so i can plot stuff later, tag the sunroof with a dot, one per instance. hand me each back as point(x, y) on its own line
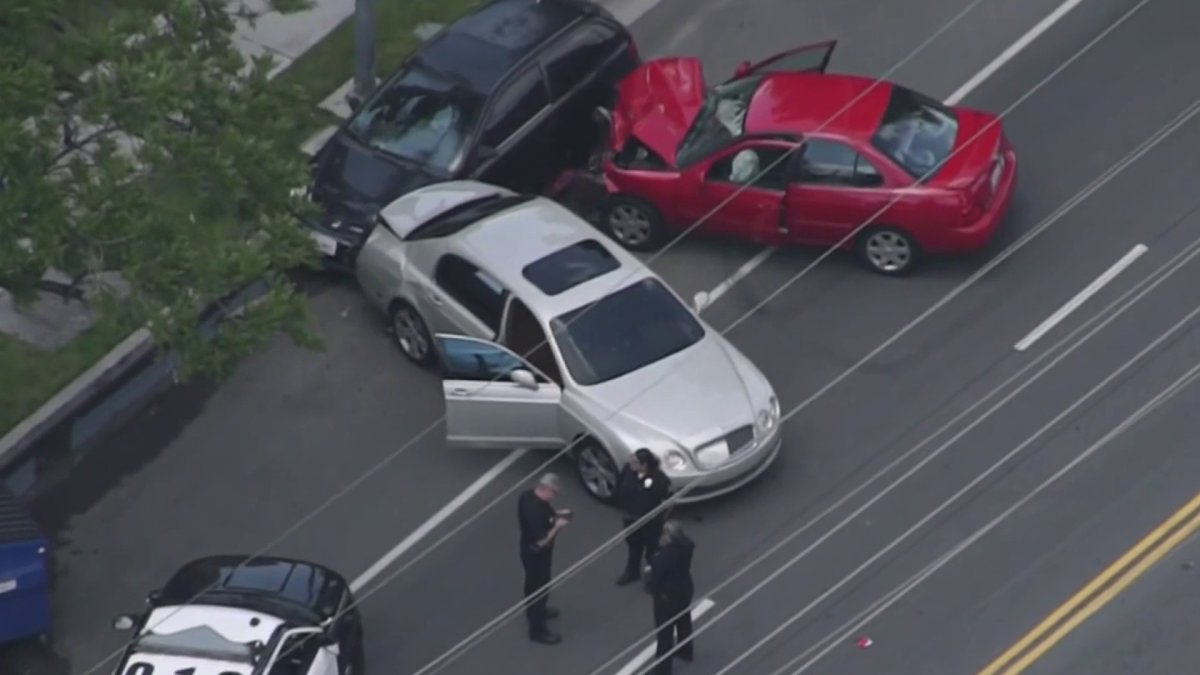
point(568, 267)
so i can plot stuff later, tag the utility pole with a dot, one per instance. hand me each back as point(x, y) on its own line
point(364, 51)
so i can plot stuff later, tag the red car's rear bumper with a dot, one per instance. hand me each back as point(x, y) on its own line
point(976, 234)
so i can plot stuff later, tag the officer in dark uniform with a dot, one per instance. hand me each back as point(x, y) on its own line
point(540, 524)
point(671, 584)
point(641, 488)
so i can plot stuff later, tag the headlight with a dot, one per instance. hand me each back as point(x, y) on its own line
point(767, 419)
point(675, 460)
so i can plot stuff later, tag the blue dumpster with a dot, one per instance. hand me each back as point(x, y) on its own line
point(24, 586)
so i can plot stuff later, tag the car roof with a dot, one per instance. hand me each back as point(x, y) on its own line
point(483, 46)
point(505, 243)
point(298, 581)
point(801, 102)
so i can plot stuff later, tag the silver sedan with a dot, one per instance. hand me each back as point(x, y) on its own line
point(550, 335)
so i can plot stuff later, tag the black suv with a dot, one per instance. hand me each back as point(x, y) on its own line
point(505, 95)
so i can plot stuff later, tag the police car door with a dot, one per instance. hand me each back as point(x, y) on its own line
point(325, 662)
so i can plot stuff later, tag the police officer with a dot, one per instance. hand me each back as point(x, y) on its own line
point(641, 488)
point(540, 524)
point(671, 584)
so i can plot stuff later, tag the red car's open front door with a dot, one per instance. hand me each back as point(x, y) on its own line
point(809, 58)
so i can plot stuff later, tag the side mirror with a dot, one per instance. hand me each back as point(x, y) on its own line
point(524, 378)
point(742, 69)
point(152, 597)
point(700, 301)
point(124, 622)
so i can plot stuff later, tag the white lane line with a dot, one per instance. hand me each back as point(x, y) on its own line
point(741, 273)
point(1081, 297)
point(646, 654)
point(954, 99)
point(1015, 48)
point(437, 519)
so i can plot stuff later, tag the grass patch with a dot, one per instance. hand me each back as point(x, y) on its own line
point(34, 375)
point(321, 70)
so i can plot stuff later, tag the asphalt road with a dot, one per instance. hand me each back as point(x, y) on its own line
point(1150, 629)
point(231, 470)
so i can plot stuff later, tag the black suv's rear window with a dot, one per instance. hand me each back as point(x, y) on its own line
point(568, 267)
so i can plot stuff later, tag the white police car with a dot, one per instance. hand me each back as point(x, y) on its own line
point(233, 615)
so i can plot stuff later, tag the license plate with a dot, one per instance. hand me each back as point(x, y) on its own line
point(326, 244)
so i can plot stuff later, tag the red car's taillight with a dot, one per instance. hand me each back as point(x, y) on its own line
point(633, 52)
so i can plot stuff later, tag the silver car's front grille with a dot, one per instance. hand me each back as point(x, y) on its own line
point(740, 439)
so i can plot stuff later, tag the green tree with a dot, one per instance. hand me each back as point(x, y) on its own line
point(137, 141)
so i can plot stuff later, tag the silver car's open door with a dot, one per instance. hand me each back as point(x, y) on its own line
point(494, 399)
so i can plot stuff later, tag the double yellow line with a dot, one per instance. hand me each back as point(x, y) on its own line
point(1099, 591)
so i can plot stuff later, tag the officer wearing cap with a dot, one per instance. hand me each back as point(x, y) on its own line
point(540, 524)
point(641, 488)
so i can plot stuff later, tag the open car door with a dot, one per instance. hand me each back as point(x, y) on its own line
point(324, 662)
point(809, 58)
point(495, 399)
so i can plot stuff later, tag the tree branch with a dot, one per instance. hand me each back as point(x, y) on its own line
point(71, 146)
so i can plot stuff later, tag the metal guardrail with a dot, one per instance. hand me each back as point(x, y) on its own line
point(122, 382)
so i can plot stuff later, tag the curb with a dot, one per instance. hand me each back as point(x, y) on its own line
point(103, 396)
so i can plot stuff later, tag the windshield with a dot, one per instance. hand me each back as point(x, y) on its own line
point(199, 641)
point(721, 120)
point(623, 332)
point(917, 132)
point(420, 117)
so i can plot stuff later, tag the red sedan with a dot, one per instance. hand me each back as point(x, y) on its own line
point(784, 153)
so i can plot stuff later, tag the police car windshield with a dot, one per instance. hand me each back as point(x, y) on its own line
point(200, 641)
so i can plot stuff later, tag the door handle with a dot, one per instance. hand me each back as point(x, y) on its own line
point(459, 392)
point(435, 299)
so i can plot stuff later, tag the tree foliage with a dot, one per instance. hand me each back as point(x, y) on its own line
point(138, 141)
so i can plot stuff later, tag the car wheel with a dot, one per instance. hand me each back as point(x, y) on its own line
point(889, 251)
point(411, 333)
point(634, 223)
point(597, 470)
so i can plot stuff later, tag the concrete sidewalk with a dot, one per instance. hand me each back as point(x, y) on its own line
point(287, 36)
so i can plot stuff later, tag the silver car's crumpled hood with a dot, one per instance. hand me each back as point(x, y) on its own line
point(692, 397)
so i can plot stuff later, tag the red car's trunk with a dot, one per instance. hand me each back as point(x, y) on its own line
point(976, 163)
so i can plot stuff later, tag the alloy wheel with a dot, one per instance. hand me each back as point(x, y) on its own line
point(888, 251)
point(630, 225)
point(597, 470)
point(410, 333)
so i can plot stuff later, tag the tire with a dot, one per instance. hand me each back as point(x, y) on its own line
point(411, 333)
point(596, 469)
point(889, 251)
point(634, 223)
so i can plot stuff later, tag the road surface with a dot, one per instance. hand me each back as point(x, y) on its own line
point(231, 470)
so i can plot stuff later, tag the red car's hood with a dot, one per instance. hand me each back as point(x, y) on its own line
point(657, 102)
